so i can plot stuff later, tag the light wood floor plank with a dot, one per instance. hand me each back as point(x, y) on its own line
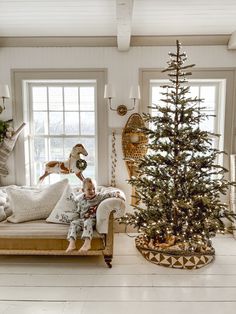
point(153, 280)
point(129, 269)
point(97, 260)
point(179, 294)
point(116, 307)
point(84, 285)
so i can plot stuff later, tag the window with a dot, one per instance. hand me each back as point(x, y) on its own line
point(61, 115)
point(61, 108)
point(213, 105)
point(216, 85)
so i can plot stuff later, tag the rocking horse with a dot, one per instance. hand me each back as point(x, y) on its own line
point(74, 164)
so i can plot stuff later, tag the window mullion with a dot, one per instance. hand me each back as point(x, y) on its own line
point(63, 108)
point(31, 138)
point(48, 129)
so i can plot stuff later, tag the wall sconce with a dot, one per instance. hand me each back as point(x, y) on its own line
point(4, 93)
point(109, 94)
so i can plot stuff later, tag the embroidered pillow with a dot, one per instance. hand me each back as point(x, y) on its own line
point(34, 204)
point(63, 211)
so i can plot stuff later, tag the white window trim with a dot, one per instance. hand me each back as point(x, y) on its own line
point(19, 76)
point(227, 74)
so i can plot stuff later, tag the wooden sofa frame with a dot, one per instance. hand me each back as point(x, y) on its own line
point(102, 245)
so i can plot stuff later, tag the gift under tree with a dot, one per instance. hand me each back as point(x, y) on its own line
point(179, 184)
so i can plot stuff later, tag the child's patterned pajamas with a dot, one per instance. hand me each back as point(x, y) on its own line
point(78, 225)
point(86, 209)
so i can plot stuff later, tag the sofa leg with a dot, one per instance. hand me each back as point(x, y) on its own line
point(108, 259)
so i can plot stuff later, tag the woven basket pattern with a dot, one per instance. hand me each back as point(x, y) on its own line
point(183, 261)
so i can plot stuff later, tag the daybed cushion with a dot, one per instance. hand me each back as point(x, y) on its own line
point(34, 204)
point(40, 237)
point(37, 229)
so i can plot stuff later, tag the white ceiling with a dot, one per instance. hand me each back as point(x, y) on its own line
point(103, 18)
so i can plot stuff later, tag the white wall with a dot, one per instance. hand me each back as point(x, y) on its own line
point(123, 71)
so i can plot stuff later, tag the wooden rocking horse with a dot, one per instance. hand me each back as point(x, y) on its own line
point(74, 164)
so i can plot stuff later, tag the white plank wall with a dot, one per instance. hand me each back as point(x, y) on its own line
point(71, 285)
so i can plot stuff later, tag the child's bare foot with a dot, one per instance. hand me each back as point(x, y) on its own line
point(86, 246)
point(71, 247)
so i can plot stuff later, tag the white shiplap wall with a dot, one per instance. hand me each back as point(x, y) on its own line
point(122, 68)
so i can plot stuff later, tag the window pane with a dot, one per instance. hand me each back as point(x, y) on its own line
point(56, 149)
point(72, 122)
point(193, 92)
point(156, 94)
point(89, 145)
point(69, 143)
point(39, 95)
point(55, 98)
point(73, 179)
point(208, 94)
point(87, 98)
point(40, 122)
point(40, 156)
point(87, 121)
point(71, 98)
point(56, 122)
point(89, 171)
point(208, 123)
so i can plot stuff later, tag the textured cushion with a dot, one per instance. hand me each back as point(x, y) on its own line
point(37, 229)
point(63, 211)
point(34, 204)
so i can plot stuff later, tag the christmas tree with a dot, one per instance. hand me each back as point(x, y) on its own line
point(179, 184)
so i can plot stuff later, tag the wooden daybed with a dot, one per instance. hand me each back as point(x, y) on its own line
point(42, 238)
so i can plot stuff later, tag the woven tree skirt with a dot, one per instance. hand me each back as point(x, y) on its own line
point(184, 260)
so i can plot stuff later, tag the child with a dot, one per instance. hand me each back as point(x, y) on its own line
point(86, 208)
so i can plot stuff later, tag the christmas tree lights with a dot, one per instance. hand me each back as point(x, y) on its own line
point(178, 183)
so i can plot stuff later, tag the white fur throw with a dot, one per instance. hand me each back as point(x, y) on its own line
point(34, 204)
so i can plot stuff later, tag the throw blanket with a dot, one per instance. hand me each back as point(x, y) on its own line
point(6, 148)
point(5, 210)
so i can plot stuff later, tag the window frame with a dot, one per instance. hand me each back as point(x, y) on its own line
point(20, 79)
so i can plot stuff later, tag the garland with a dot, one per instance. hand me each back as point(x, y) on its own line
point(113, 160)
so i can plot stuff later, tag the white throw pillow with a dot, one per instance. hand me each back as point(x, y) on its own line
point(34, 204)
point(64, 210)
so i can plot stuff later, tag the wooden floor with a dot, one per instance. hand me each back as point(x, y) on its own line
point(84, 285)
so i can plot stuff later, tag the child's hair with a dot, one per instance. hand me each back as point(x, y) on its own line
point(88, 180)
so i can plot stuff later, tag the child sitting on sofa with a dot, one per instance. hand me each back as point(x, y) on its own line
point(86, 208)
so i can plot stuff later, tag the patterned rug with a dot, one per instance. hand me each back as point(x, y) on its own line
point(184, 260)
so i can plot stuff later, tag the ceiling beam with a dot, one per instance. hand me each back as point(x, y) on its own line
point(232, 41)
point(111, 41)
point(124, 11)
